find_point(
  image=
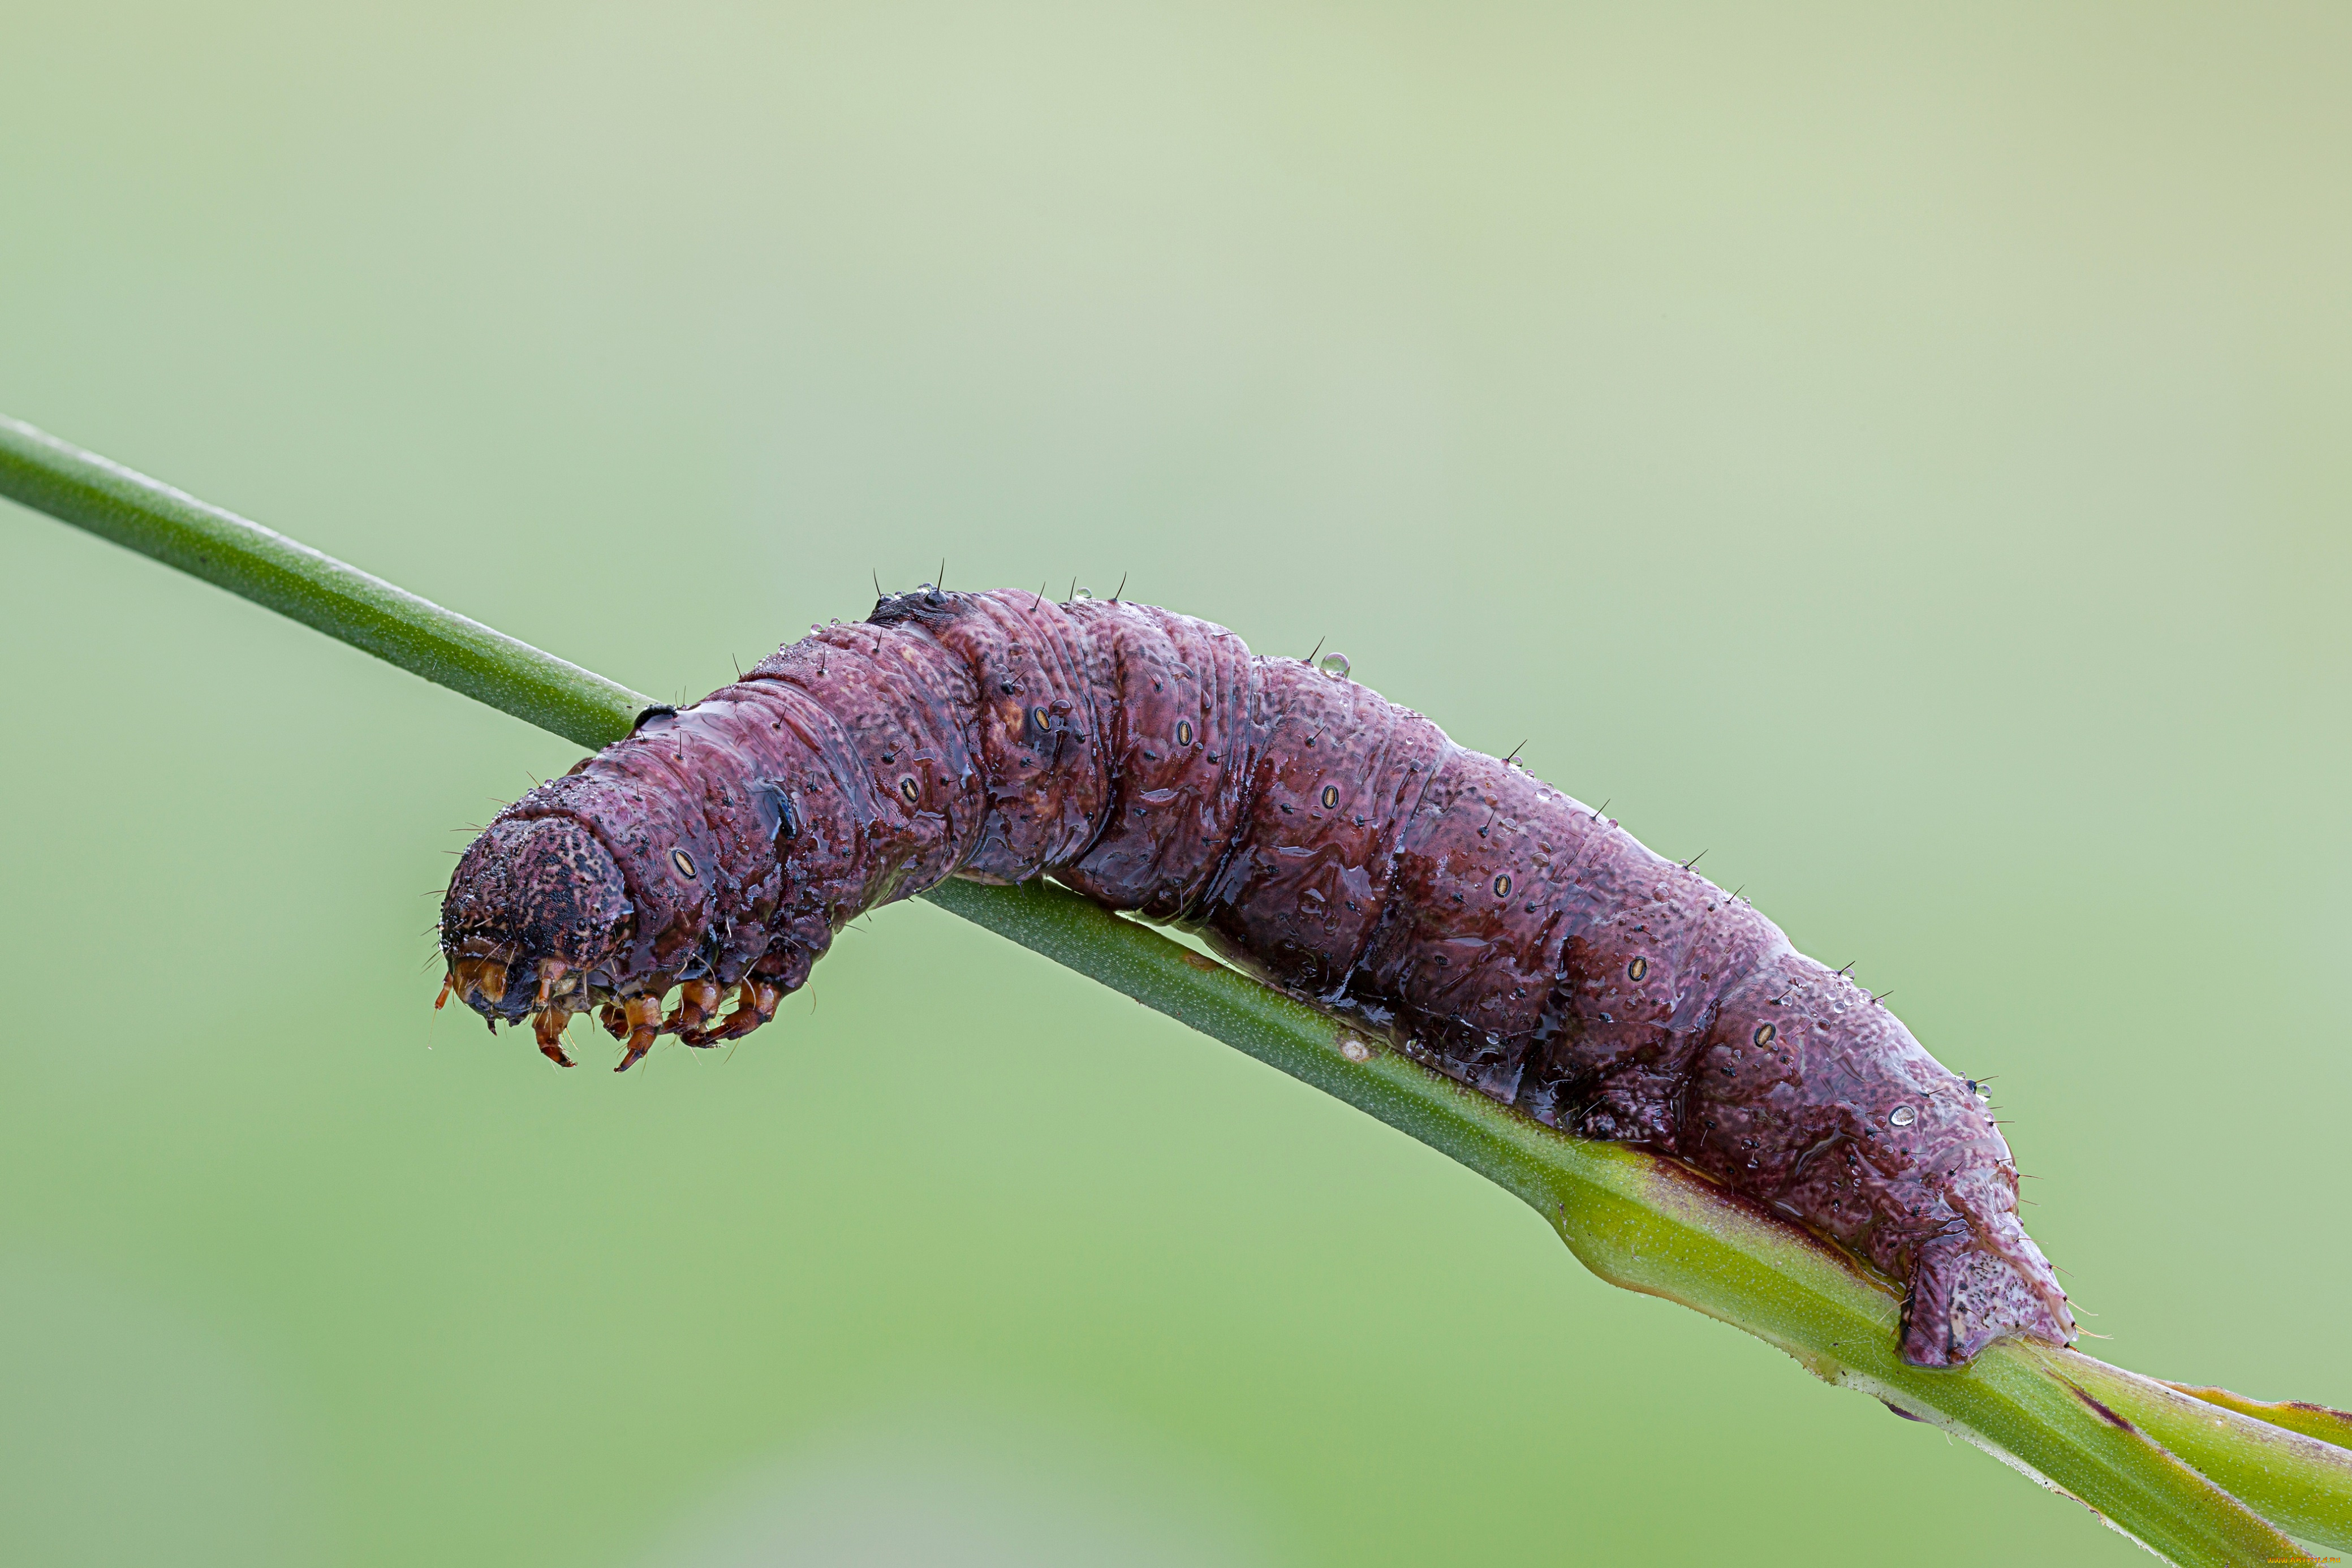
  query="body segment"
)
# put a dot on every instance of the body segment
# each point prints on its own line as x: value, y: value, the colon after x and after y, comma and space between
x: 1341, y: 846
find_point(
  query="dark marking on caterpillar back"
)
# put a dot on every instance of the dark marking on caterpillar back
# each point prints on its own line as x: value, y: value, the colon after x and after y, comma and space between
x: 1451, y: 904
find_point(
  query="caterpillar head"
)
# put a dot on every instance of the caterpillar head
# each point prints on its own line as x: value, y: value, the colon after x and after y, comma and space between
x: 535, y: 905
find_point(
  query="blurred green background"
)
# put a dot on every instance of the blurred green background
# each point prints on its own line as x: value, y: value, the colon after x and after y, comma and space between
x: 1900, y: 451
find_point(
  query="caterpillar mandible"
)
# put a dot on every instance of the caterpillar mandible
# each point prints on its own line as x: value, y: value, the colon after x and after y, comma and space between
x: 1328, y: 841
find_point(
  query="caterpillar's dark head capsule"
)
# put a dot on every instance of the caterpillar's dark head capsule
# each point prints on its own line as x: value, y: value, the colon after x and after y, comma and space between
x: 535, y: 905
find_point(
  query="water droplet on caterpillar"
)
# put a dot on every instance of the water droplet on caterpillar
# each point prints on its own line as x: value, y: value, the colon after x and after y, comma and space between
x: 1334, y: 664
x: 1081, y: 593
x: 1902, y: 1116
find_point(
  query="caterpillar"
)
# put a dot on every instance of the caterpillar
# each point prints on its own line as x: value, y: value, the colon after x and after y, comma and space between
x: 1339, y: 846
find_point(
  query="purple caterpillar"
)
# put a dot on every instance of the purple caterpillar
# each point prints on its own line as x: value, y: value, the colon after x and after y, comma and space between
x: 1335, y: 845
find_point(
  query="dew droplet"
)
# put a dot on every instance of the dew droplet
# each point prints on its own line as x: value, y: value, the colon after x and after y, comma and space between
x: 1334, y: 664
x: 1902, y: 1116
x: 1082, y: 593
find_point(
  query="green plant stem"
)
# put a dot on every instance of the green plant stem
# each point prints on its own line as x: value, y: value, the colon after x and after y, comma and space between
x: 2295, y: 1415
x: 2182, y: 1475
x: 264, y: 565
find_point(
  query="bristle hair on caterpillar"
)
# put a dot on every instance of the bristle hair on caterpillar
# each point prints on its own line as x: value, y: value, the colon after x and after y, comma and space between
x: 1483, y: 923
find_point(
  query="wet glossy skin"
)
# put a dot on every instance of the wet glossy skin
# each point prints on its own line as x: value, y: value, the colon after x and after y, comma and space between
x: 1482, y: 922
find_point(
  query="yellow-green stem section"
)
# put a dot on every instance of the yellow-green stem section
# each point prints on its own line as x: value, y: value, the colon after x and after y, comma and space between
x: 2156, y: 1462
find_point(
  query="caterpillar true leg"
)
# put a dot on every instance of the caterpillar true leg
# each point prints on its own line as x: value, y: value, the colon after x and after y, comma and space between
x: 698, y: 1004
x: 755, y: 1003
x: 548, y: 1028
x: 643, y: 1016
